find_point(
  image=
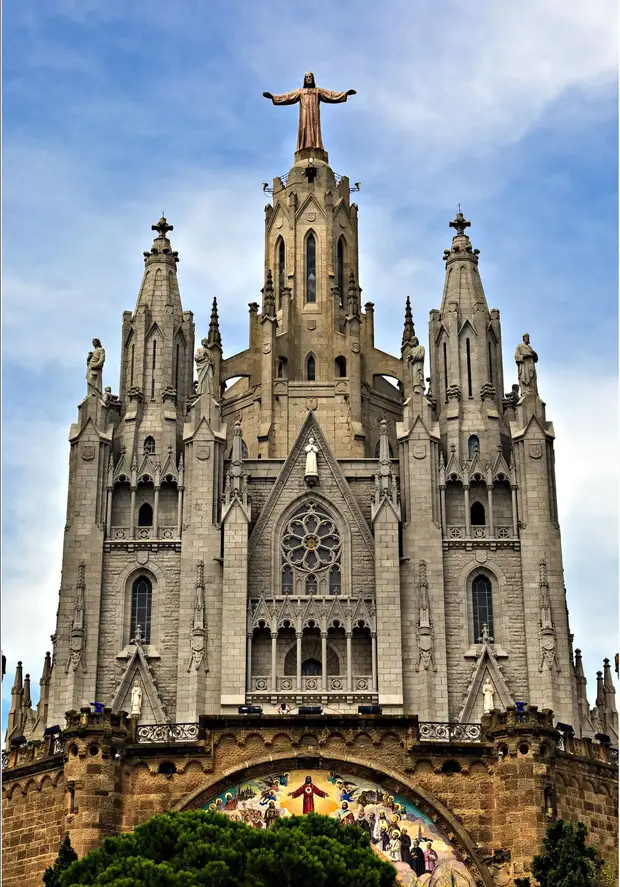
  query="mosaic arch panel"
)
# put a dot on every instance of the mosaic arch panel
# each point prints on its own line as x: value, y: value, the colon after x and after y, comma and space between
x: 398, y: 830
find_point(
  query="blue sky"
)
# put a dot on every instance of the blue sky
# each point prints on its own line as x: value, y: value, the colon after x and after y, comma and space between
x: 114, y: 112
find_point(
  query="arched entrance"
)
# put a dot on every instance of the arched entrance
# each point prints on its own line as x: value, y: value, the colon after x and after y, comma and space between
x: 425, y: 842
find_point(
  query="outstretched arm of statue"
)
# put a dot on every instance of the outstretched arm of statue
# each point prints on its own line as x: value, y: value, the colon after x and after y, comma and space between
x: 333, y: 98
x: 287, y: 98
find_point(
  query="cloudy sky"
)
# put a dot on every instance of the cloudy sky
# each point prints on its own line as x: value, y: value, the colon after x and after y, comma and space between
x: 116, y: 111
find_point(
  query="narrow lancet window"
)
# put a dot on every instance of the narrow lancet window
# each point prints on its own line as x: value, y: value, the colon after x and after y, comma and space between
x: 311, y: 268
x: 482, y: 605
x: 490, y: 364
x: 468, y: 350
x: 154, y: 366
x: 281, y: 270
x: 445, y: 370
x: 311, y: 369
x: 340, y: 269
x: 141, y: 606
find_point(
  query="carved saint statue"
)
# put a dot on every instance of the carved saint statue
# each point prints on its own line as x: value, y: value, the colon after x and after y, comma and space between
x: 526, y: 359
x: 416, y: 364
x: 204, y: 367
x: 487, y: 696
x: 311, y: 450
x: 309, y: 97
x: 94, y: 367
x: 136, y: 699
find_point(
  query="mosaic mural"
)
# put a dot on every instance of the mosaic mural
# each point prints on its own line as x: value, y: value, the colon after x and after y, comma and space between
x: 398, y: 831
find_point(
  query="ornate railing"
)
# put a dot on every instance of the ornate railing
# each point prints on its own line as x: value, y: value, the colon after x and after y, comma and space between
x: 437, y: 732
x: 586, y: 748
x: 5, y: 759
x: 167, y: 733
x: 123, y: 534
x: 479, y: 532
x: 312, y: 684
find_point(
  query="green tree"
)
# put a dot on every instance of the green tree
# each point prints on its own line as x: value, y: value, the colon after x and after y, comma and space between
x: 203, y: 849
x: 66, y: 855
x: 565, y: 859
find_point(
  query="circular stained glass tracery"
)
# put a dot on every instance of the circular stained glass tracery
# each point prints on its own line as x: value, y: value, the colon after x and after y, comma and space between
x: 311, y: 541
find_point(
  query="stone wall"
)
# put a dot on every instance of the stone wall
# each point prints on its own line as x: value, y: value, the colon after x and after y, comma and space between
x: 484, y: 796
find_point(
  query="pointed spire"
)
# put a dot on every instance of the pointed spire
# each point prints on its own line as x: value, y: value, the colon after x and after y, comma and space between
x: 214, y: 338
x: 611, y: 712
x: 353, y: 308
x: 600, y: 692
x: 27, y: 698
x: 408, y: 330
x: 18, y: 683
x: 579, y: 672
x: 269, y: 302
x: 47, y: 670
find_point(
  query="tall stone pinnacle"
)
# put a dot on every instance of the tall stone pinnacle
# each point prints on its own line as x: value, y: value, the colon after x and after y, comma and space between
x: 408, y: 330
x: 353, y: 308
x: 214, y: 337
x: 269, y: 302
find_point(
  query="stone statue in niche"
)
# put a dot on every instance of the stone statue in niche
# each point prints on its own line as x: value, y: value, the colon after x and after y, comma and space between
x: 136, y: 699
x: 416, y: 364
x: 204, y: 368
x: 487, y: 696
x: 94, y: 367
x: 526, y: 359
x: 311, y: 474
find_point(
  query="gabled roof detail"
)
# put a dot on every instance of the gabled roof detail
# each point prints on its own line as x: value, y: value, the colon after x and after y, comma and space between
x: 467, y: 323
x: 454, y: 470
x: 280, y: 210
x: 501, y: 469
x: 310, y: 200
x: 138, y: 669
x: 311, y: 425
x: 487, y: 664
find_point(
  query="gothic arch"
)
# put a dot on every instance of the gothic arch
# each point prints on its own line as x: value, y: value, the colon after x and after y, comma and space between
x: 306, y: 301
x: 311, y: 360
x: 397, y: 784
x: 343, y: 527
x: 124, y: 585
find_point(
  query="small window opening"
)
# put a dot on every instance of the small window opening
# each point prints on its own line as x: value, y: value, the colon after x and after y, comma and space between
x: 445, y: 369
x: 311, y: 668
x: 477, y: 514
x: 482, y: 601
x: 287, y: 580
x: 340, y: 269
x: 341, y: 367
x: 473, y: 446
x: 312, y: 586
x: 311, y: 369
x: 281, y: 270
x: 145, y: 515
x: 149, y: 446
x: 141, y: 605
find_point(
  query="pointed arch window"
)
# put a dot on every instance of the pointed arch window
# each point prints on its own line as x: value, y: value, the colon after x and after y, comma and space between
x: 281, y: 266
x: 335, y: 580
x: 468, y: 356
x: 311, y: 369
x: 311, y: 268
x: 287, y: 579
x: 312, y: 585
x: 482, y: 605
x: 473, y: 446
x: 154, y: 368
x: 141, y: 608
x: 340, y: 268
x: 149, y: 446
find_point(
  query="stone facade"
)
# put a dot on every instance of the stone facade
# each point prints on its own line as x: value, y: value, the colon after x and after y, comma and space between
x: 311, y: 523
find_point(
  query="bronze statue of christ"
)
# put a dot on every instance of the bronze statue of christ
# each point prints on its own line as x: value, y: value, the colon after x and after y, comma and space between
x: 309, y: 96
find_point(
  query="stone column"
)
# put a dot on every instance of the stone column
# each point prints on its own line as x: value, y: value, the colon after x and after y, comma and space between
x: 298, y: 637
x: 442, y: 498
x: 324, y: 659
x: 234, y: 604
x: 274, y: 641
x: 515, y: 522
x: 156, y: 512
x: 349, y: 662
x: 490, y: 503
x: 373, y: 641
x: 180, y: 490
x: 467, y: 514
x: 132, y: 513
x: 248, y: 667
x: 108, y: 512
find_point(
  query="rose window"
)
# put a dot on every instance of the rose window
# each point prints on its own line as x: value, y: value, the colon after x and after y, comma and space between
x: 311, y: 549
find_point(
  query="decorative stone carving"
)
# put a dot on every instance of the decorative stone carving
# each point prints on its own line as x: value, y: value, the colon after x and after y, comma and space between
x: 94, y: 367
x: 198, y: 637
x: 311, y: 473
x: 203, y: 452
x: 204, y: 368
x: 88, y: 452
x: 546, y: 628
x: 415, y: 362
x: 77, y: 637
x: 136, y: 700
x: 385, y: 480
x: 426, y: 659
x: 526, y: 360
x: 535, y: 450
x: 108, y: 399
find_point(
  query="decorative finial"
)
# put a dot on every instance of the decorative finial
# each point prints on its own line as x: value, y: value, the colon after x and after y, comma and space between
x: 214, y: 337
x: 162, y: 227
x: 408, y: 330
x: 269, y: 302
x: 460, y: 223
x: 352, y: 297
